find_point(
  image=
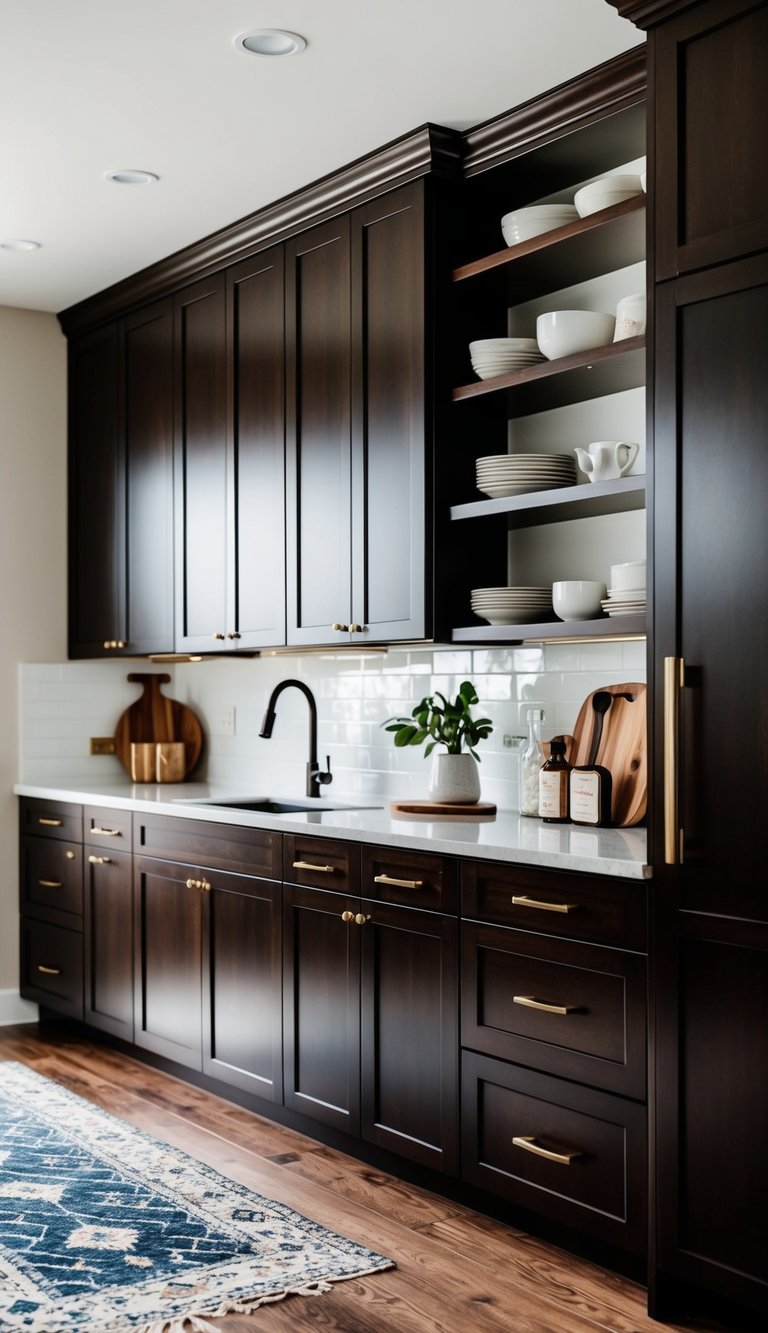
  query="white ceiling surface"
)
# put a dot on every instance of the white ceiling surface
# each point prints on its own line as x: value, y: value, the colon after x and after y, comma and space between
x: 88, y: 86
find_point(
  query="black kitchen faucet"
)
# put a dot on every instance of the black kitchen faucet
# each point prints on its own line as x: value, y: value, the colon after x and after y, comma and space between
x: 315, y: 778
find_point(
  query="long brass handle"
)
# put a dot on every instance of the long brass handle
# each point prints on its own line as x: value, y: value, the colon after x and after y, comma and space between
x: 528, y: 1142
x: 530, y: 1002
x: 50, y: 884
x: 49, y: 971
x: 399, y: 883
x: 106, y: 832
x: 674, y: 672
x: 522, y: 901
x: 100, y: 860
x: 308, y: 865
x: 51, y: 823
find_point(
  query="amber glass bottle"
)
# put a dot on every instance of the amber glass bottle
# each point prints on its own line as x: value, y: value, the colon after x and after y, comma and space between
x: 554, y: 785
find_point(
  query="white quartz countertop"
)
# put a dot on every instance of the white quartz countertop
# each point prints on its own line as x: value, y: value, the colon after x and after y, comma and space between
x: 507, y: 836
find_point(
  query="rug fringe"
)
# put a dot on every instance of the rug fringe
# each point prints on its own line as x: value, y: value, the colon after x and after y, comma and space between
x: 198, y: 1323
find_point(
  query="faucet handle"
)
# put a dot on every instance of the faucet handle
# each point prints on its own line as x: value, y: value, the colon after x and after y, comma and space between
x: 326, y: 777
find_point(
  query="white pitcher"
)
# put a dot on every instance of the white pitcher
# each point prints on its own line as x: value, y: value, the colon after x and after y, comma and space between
x: 607, y: 459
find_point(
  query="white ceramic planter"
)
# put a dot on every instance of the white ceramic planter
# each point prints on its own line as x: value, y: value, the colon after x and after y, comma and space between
x: 454, y: 778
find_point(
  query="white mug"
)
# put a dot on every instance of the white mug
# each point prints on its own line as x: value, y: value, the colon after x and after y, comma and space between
x: 630, y: 316
x: 605, y: 460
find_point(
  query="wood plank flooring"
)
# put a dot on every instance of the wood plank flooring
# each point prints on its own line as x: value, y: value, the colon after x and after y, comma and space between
x: 457, y: 1270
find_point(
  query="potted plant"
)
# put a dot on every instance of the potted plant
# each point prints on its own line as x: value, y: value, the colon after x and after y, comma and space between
x: 436, y: 721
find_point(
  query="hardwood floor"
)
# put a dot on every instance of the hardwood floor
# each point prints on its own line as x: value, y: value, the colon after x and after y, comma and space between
x: 456, y: 1269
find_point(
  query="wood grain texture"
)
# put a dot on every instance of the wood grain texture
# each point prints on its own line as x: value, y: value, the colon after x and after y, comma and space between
x: 455, y: 1268
x: 477, y: 808
x: 622, y: 748
x: 155, y: 717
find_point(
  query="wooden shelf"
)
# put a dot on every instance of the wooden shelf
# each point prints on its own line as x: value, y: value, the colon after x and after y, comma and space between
x: 605, y: 627
x: 556, y: 506
x: 571, y: 379
x: 600, y: 243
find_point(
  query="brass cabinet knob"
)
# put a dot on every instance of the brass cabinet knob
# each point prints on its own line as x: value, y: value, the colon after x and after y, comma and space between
x: 100, y: 860
x: 193, y: 883
x: 204, y: 885
x: 356, y: 629
x: 347, y: 916
x: 360, y: 920
x: 121, y: 643
x: 218, y: 636
x: 337, y: 625
x: 233, y: 634
x: 70, y: 856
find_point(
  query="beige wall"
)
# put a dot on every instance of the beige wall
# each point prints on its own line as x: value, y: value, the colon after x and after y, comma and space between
x: 33, y: 588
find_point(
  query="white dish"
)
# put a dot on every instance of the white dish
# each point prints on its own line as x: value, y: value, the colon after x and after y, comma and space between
x: 627, y: 594
x: 606, y: 192
x: 564, y: 332
x: 511, y: 619
x: 520, y: 488
x: 525, y: 223
x: 503, y: 344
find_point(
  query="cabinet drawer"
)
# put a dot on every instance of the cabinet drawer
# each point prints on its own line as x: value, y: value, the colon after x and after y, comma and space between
x: 108, y: 828
x: 52, y: 819
x: 579, y: 906
x: 321, y: 863
x: 221, y: 846
x: 564, y: 1007
x: 593, y: 1178
x: 51, y: 877
x: 409, y: 879
x: 52, y: 966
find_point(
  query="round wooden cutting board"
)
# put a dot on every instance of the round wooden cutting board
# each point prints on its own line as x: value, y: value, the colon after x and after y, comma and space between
x: 155, y: 717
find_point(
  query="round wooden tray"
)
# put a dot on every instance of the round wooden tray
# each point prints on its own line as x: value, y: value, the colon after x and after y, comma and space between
x: 155, y: 717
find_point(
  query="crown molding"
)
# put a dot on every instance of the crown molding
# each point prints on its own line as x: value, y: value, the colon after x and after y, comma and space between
x: 648, y: 13
x: 428, y: 150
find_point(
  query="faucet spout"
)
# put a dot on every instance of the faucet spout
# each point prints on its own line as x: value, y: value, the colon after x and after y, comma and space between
x: 315, y: 778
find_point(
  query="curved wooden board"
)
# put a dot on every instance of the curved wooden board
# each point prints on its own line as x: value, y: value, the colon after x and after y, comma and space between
x: 155, y: 717
x: 622, y: 748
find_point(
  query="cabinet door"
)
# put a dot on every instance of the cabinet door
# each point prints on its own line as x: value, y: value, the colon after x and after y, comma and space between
x: 109, y: 941
x: 168, y: 974
x: 409, y: 1033
x: 242, y: 1004
x: 389, y: 463
x: 711, y: 135
x: 96, y: 495
x: 256, y: 300
x: 318, y: 434
x: 148, y: 423
x: 321, y: 1006
x: 202, y: 518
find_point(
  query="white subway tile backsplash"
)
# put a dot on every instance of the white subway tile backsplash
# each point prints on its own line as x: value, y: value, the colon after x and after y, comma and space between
x: 62, y: 705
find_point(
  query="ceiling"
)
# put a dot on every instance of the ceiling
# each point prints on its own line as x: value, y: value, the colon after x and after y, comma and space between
x: 89, y: 86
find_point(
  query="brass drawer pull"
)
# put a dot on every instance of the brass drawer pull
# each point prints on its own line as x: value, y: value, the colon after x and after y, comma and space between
x: 674, y: 679
x: 49, y: 971
x: 543, y: 907
x: 399, y: 883
x: 528, y: 1142
x: 51, y: 823
x: 70, y: 856
x: 309, y: 865
x: 530, y: 1002
x: 50, y: 884
x: 205, y: 886
x: 347, y: 917
x: 337, y: 625
x: 360, y: 920
x: 107, y: 832
x: 100, y: 860
x: 198, y: 884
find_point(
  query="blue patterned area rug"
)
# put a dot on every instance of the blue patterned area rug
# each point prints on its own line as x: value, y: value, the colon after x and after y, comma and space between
x: 103, y: 1229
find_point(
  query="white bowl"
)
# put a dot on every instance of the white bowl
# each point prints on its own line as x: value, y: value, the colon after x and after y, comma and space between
x: 577, y: 599
x: 525, y: 223
x: 606, y: 192
x: 563, y: 332
x: 630, y: 574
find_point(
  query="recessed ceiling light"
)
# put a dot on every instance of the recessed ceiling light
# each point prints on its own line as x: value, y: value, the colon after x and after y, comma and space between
x: 270, y: 42
x: 129, y: 177
x: 19, y: 245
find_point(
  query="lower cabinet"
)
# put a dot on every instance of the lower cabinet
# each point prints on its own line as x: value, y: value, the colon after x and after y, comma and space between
x: 109, y: 942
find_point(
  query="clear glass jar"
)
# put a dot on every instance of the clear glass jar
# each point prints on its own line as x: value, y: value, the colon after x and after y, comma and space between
x: 531, y: 759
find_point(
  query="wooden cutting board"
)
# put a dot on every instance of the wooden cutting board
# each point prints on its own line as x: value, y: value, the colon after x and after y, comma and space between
x: 622, y: 748
x: 155, y: 717
x: 443, y: 808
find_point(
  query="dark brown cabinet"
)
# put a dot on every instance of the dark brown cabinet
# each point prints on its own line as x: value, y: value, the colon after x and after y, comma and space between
x: 108, y: 940
x: 121, y: 487
x: 51, y: 900
x: 370, y: 999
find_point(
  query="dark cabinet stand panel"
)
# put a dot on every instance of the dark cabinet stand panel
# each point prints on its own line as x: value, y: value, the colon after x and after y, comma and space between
x: 168, y: 927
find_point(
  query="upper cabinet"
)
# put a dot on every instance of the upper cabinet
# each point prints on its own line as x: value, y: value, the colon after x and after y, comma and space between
x: 121, y: 480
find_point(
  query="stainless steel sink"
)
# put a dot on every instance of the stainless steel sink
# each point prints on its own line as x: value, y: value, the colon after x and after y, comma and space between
x: 269, y: 805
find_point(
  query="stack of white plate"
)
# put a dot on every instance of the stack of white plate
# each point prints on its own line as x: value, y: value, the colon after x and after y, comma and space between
x: 512, y: 606
x: 625, y: 602
x: 514, y: 474
x: 498, y: 356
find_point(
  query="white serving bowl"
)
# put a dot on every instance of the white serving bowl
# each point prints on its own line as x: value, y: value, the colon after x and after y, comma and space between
x: 577, y: 599
x: 606, y: 192
x: 563, y: 332
x: 629, y: 574
x: 525, y: 223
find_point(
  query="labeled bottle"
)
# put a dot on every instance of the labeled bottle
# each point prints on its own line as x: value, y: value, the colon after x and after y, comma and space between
x: 554, y: 790
x: 530, y: 764
x: 591, y: 788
